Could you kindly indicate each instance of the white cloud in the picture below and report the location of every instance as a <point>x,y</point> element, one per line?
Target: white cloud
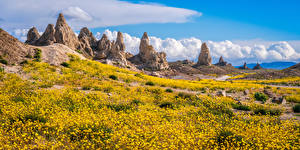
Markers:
<point>90,13</point>
<point>189,48</point>
<point>76,14</point>
<point>232,52</point>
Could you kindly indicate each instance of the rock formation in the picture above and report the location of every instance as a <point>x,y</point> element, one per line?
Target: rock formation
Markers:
<point>12,51</point>
<point>257,67</point>
<point>204,57</point>
<point>117,52</point>
<point>222,62</point>
<point>32,36</point>
<point>47,37</point>
<point>87,40</point>
<point>64,34</point>
<point>112,51</point>
<point>148,57</point>
<point>244,66</point>
<point>103,47</point>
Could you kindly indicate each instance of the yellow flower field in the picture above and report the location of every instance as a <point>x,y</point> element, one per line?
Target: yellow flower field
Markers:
<point>82,106</point>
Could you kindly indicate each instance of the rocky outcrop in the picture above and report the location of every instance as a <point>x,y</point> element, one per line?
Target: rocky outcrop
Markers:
<point>12,51</point>
<point>222,62</point>
<point>87,41</point>
<point>103,47</point>
<point>32,36</point>
<point>47,37</point>
<point>64,34</point>
<point>117,53</point>
<point>148,58</point>
<point>257,67</point>
<point>112,51</point>
<point>244,67</point>
<point>204,57</point>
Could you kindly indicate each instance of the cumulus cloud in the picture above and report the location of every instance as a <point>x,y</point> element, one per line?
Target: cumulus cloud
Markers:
<point>90,13</point>
<point>77,14</point>
<point>189,48</point>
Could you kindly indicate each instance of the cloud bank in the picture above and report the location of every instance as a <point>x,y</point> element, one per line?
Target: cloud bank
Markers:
<point>234,53</point>
<point>20,14</point>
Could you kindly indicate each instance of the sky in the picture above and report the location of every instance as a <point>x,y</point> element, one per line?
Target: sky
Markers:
<point>239,30</point>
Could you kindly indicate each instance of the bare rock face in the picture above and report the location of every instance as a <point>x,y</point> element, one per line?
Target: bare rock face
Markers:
<point>103,47</point>
<point>32,36</point>
<point>117,52</point>
<point>65,35</point>
<point>112,51</point>
<point>244,67</point>
<point>11,49</point>
<point>222,62</point>
<point>204,57</point>
<point>149,58</point>
<point>87,41</point>
<point>47,37</point>
<point>257,67</point>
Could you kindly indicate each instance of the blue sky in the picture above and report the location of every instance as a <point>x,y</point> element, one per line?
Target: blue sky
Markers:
<point>227,20</point>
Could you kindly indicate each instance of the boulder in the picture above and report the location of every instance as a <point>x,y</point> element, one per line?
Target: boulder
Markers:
<point>279,100</point>
<point>221,93</point>
<point>65,35</point>
<point>47,37</point>
<point>246,92</point>
<point>204,57</point>
<point>32,36</point>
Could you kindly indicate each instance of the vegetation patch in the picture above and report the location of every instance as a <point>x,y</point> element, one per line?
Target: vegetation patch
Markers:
<point>113,77</point>
<point>241,107</point>
<point>296,108</point>
<point>38,55</point>
<point>150,83</point>
<point>3,61</point>
<point>260,97</point>
<point>167,105</point>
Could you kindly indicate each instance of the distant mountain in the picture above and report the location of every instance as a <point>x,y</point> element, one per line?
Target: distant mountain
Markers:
<point>272,65</point>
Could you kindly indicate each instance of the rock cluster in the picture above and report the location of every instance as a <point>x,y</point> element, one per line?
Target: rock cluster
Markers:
<point>87,41</point>
<point>222,62</point>
<point>148,57</point>
<point>204,57</point>
<point>257,67</point>
<point>244,67</point>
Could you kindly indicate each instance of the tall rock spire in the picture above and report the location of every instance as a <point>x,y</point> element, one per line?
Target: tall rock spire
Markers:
<point>148,57</point>
<point>87,40</point>
<point>48,37</point>
<point>204,57</point>
<point>64,34</point>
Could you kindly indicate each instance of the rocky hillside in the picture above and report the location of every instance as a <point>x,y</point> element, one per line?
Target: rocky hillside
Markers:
<point>11,49</point>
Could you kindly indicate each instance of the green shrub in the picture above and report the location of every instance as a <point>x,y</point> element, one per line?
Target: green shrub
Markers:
<point>268,111</point>
<point>260,97</point>
<point>167,105</point>
<point>226,136</point>
<point>184,95</point>
<point>1,69</point>
<point>65,64</point>
<point>241,107</point>
<point>169,90</point>
<point>86,88</point>
<point>34,117</point>
<point>24,62</point>
<point>3,61</point>
<point>18,99</point>
<point>113,77</point>
<point>150,83</point>
<point>78,51</point>
<point>38,55</point>
<point>136,102</point>
<point>296,108</point>
<point>119,107</point>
